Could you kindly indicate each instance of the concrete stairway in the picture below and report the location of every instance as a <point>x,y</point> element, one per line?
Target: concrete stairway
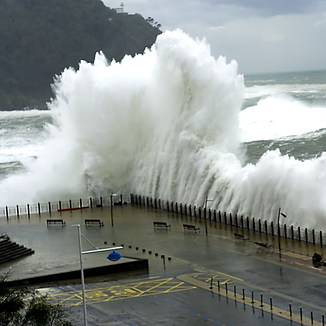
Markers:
<point>11,250</point>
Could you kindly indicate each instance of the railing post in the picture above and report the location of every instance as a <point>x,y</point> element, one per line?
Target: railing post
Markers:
<point>7,213</point>
<point>17,210</point>
<point>39,208</point>
<point>28,213</point>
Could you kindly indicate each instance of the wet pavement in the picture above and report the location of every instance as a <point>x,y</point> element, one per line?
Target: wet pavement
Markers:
<point>192,279</point>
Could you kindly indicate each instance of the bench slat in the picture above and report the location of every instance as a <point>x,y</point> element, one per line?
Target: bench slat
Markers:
<point>91,222</point>
<point>50,222</point>
<point>161,224</point>
<point>190,227</point>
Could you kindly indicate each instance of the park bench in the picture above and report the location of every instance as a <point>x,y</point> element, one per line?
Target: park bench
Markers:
<point>240,236</point>
<point>94,222</point>
<point>161,225</point>
<point>54,222</point>
<point>190,227</point>
<point>264,245</point>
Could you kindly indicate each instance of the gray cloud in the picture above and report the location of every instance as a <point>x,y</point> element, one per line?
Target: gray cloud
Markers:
<point>260,35</point>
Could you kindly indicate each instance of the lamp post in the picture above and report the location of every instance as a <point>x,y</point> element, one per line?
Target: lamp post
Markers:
<point>206,212</point>
<point>278,227</point>
<point>113,257</point>
<point>112,195</point>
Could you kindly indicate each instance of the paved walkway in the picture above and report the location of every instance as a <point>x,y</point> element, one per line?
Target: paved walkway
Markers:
<point>56,247</point>
<point>216,255</point>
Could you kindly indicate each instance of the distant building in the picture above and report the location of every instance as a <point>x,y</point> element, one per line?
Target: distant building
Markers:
<point>120,10</point>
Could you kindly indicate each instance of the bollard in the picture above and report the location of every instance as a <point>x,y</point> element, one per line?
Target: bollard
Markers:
<point>17,210</point>
<point>266,229</point>
<point>231,219</point>
<point>248,226</point>
<point>253,225</point>
<point>241,219</point>
<point>313,236</point>
<point>312,317</point>
<point>306,234</point>
<point>299,234</point>
<point>225,219</point>
<point>59,204</point>
<point>259,225</point>
<point>290,309</point>
<point>252,297</point>
<point>321,238</point>
<point>80,203</point>
<point>323,319</point>
<point>39,208</point>
<point>235,291</point>
<point>49,207</point>
<point>226,288</point>
<point>272,228</point>
<point>28,212</point>
<point>243,294</point>
<point>285,231</point>
<point>70,204</point>
<point>271,303</point>
<point>261,300</point>
<point>90,202</point>
<point>7,215</point>
<point>301,314</point>
<point>218,286</point>
<point>211,283</point>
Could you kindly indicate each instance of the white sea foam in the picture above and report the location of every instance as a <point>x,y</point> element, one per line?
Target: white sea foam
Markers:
<point>280,116</point>
<point>164,124</point>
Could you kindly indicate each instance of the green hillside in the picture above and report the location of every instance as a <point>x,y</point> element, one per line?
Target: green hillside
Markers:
<point>40,38</point>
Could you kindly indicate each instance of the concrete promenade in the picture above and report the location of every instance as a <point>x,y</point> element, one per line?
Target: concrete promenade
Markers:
<point>195,263</point>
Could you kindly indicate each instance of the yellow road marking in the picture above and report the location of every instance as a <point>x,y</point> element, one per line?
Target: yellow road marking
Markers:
<point>119,292</point>
<point>294,255</point>
<point>193,279</point>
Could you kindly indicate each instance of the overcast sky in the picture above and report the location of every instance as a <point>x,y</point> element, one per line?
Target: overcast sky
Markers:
<point>261,35</point>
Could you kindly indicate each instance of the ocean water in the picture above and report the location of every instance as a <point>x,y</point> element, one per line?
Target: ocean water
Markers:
<point>178,124</point>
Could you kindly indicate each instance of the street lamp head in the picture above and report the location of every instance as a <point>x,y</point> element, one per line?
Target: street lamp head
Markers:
<point>283,214</point>
<point>114,256</point>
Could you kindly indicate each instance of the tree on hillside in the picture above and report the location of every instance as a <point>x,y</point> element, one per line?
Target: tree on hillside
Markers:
<point>22,306</point>
<point>152,22</point>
